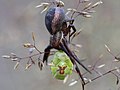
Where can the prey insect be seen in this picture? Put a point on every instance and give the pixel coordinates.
(61, 65)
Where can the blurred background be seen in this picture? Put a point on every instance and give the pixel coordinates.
(19, 18)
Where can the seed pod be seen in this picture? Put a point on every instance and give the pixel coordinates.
(6, 56)
(16, 65)
(28, 45)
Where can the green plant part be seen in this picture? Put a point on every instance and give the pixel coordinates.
(61, 65)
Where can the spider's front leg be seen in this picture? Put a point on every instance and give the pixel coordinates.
(46, 55)
(71, 21)
(74, 29)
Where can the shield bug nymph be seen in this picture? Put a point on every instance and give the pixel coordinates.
(61, 65)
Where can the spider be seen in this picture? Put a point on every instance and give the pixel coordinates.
(56, 23)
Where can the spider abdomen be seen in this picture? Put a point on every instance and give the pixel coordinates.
(54, 19)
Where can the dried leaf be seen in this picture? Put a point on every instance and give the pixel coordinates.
(73, 83)
(28, 45)
(73, 80)
(39, 6)
(117, 58)
(85, 79)
(42, 4)
(40, 64)
(72, 9)
(33, 36)
(99, 73)
(76, 45)
(67, 12)
(66, 78)
(14, 59)
(84, 1)
(84, 13)
(28, 66)
(117, 81)
(91, 11)
(60, 3)
(89, 66)
(45, 8)
(6, 56)
(69, 9)
(13, 54)
(96, 4)
(87, 16)
(100, 56)
(100, 66)
(16, 65)
(87, 6)
(108, 49)
(117, 69)
(89, 80)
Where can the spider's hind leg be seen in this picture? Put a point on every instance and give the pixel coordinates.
(79, 73)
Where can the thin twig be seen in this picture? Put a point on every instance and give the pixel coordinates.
(102, 75)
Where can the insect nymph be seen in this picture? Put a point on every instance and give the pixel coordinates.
(61, 65)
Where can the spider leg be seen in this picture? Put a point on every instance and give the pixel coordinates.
(76, 67)
(46, 53)
(74, 29)
(71, 54)
(71, 21)
(79, 73)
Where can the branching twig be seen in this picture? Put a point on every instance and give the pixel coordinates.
(108, 72)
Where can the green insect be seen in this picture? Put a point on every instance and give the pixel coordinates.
(61, 65)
